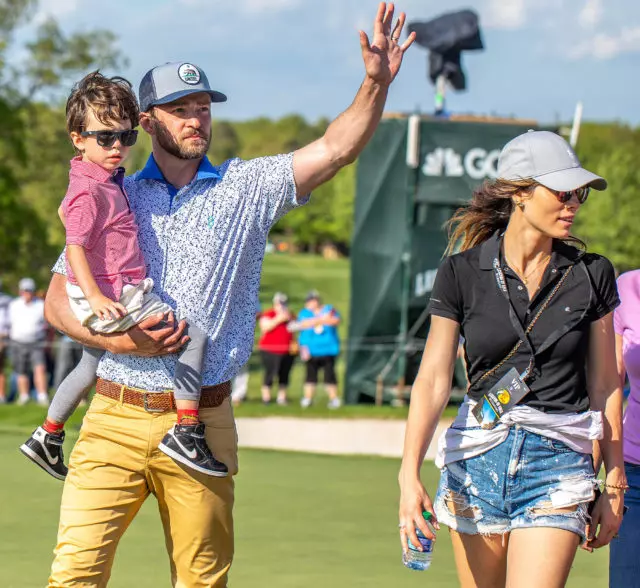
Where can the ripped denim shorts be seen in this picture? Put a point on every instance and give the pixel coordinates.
(526, 481)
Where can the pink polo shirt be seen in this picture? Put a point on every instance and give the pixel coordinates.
(98, 218)
(626, 321)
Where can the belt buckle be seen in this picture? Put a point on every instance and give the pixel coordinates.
(145, 401)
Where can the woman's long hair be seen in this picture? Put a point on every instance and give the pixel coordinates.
(490, 209)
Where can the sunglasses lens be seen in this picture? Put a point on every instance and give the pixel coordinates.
(583, 194)
(106, 138)
(128, 138)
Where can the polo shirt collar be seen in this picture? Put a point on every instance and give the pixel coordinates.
(151, 171)
(489, 250)
(95, 171)
(562, 255)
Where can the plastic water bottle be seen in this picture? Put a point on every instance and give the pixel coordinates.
(415, 559)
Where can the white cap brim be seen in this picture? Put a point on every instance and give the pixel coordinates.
(570, 179)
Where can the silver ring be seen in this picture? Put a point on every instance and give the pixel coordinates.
(396, 39)
(401, 526)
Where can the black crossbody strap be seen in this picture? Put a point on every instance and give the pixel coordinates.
(524, 334)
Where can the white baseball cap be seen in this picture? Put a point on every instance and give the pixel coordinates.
(26, 285)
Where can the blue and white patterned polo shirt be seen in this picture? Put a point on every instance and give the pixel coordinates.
(204, 246)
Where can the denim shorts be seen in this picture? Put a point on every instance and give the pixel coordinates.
(526, 481)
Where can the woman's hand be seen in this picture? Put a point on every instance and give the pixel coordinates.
(607, 514)
(414, 500)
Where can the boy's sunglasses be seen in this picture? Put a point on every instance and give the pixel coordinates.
(581, 194)
(108, 138)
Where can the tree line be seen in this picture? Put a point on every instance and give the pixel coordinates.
(35, 153)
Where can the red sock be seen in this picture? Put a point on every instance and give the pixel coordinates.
(188, 417)
(52, 427)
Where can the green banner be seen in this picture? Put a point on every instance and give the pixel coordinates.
(399, 240)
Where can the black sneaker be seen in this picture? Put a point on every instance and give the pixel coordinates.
(45, 449)
(187, 444)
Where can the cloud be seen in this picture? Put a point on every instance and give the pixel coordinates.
(605, 46)
(258, 6)
(57, 8)
(591, 14)
(248, 7)
(499, 14)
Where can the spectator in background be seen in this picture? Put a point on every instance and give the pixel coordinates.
(276, 348)
(240, 386)
(49, 344)
(5, 324)
(68, 356)
(27, 335)
(319, 347)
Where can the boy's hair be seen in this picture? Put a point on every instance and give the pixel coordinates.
(109, 98)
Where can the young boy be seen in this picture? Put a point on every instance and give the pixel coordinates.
(107, 285)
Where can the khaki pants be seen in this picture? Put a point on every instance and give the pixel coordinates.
(113, 468)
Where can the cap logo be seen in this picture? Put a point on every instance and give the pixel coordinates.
(189, 74)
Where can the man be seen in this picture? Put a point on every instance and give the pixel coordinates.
(5, 326)
(319, 347)
(203, 232)
(27, 334)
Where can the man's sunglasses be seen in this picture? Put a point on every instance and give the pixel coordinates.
(108, 138)
(581, 194)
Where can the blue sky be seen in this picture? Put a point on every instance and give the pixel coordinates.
(276, 57)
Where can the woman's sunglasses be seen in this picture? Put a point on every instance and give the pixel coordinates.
(108, 138)
(581, 194)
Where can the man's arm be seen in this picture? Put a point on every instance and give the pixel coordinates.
(157, 335)
(346, 136)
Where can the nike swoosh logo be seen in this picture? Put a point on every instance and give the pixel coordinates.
(50, 459)
(191, 454)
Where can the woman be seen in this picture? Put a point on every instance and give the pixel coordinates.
(516, 496)
(624, 567)
(276, 348)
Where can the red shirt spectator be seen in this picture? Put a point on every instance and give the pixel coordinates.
(277, 340)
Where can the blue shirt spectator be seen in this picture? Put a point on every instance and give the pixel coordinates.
(321, 340)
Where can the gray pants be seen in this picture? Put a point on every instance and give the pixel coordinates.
(187, 382)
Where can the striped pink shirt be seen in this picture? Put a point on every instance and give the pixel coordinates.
(98, 217)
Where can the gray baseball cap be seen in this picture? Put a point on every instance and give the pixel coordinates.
(172, 81)
(548, 159)
(312, 295)
(280, 298)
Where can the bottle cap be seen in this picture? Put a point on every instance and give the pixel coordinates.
(427, 516)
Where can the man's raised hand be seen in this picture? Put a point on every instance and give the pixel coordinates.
(383, 57)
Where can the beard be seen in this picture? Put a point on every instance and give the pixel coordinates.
(178, 148)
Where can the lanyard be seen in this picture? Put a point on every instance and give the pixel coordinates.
(515, 321)
(524, 335)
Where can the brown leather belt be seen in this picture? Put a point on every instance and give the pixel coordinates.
(211, 396)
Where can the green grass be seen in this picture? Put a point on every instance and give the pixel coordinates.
(25, 418)
(301, 521)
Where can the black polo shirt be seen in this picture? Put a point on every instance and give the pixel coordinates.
(467, 292)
